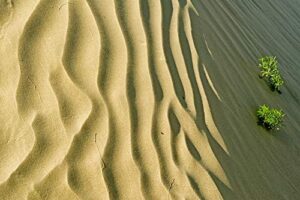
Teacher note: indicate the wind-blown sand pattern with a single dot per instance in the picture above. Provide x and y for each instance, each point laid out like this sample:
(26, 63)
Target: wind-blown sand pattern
(146, 99)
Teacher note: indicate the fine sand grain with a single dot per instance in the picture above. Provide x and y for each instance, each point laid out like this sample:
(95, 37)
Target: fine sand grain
(147, 99)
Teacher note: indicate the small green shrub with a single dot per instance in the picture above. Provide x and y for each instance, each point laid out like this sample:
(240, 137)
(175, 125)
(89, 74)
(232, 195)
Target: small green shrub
(269, 118)
(270, 71)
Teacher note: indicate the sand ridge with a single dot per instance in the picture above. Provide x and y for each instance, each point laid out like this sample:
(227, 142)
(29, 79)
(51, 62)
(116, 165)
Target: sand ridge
(145, 99)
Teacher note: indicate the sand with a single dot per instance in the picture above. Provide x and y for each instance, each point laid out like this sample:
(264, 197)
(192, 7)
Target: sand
(147, 99)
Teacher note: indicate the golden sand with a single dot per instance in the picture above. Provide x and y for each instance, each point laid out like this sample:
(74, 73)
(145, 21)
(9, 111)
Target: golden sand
(146, 99)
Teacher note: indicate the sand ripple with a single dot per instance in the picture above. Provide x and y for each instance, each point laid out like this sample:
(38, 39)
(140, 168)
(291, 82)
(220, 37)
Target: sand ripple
(144, 99)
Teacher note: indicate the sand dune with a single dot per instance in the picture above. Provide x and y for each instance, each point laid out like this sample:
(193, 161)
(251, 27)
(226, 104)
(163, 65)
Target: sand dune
(146, 99)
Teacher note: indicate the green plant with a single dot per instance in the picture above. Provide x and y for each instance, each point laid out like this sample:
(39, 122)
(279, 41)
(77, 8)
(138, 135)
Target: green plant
(270, 71)
(270, 118)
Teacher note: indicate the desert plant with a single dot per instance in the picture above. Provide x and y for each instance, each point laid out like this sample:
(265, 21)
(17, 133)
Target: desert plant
(270, 118)
(276, 81)
(270, 71)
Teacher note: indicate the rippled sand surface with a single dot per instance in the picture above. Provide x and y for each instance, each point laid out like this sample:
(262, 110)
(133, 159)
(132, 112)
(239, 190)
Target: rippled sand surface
(147, 99)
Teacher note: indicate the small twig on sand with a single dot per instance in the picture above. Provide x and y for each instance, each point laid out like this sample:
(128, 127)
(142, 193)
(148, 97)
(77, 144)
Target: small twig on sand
(171, 185)
(64, 5)
(103, 163)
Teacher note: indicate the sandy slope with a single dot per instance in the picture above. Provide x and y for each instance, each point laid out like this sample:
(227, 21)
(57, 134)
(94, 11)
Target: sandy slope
(146, 99)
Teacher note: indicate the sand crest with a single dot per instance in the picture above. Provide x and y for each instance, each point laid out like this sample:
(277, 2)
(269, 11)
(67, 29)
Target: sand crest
(146, 99)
